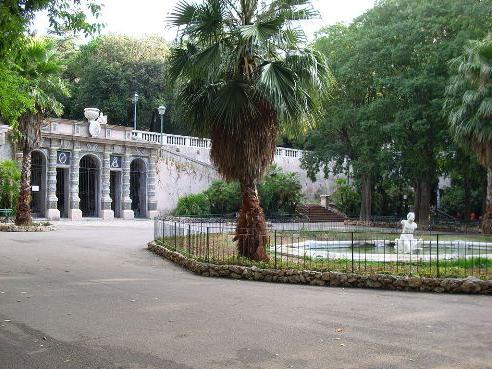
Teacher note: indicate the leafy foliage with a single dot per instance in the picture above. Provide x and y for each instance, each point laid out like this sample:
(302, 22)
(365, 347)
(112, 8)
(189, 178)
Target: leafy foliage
(346, 197)
(9, 184)
(193, 205)
(106, 73)
(279, 193)
(391, 71)
(224, 197)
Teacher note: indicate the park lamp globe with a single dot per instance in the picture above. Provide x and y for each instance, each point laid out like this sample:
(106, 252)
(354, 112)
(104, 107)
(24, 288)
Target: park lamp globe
(162, 110)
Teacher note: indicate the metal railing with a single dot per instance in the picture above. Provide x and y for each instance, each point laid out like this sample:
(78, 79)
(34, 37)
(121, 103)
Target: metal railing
(349, 250)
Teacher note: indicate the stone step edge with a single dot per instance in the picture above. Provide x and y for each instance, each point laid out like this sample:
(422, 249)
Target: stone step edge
(470, 285)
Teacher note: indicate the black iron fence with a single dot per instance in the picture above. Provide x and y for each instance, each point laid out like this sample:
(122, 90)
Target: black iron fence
(321, 247)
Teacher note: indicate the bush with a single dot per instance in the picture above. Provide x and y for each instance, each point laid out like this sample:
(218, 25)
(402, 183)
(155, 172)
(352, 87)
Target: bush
(193, 205)
(224, 197)
(9, 184)
(346, 197)
(279, 192)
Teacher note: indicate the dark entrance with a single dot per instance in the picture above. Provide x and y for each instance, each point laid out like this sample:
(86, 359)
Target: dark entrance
(38, 187)
(138, 188)
(115, 192)
(61, 191)
(89, 186)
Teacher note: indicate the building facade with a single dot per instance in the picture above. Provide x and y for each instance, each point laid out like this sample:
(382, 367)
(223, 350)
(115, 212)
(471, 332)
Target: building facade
(93, 169)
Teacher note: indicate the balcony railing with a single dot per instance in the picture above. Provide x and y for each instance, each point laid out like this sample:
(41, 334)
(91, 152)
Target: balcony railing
(177, 140)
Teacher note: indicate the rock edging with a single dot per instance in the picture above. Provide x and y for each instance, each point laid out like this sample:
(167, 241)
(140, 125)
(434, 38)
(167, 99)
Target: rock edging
(32, 228)
(470, 285)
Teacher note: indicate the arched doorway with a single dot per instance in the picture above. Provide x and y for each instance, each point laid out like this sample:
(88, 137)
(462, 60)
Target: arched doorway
(89, 186)
(38, 184)
(138, 188)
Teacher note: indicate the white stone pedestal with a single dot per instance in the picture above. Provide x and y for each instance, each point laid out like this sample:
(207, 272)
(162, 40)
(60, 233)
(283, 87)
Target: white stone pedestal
(152, 214)
(107, 214)
(127, 214)
(53, 214)
(75, 214)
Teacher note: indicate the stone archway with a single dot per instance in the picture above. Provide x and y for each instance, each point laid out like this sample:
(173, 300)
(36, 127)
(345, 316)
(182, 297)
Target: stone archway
(89, 185)
(138, 187)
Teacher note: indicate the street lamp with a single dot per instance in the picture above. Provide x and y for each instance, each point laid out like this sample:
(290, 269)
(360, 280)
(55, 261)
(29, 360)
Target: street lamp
(162, 111)
(134, 101)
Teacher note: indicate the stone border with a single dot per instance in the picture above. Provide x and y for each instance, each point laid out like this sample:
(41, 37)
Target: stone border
(470, 285)
(10, 227)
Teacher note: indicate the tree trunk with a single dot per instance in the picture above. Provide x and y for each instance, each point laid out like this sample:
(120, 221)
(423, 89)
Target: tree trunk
(366, 199)
(23, 214)
(422, 203)
(251, 230)
(487, 217)
(467, 204)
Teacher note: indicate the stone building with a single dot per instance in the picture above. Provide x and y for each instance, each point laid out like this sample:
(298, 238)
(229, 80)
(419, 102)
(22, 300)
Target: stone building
(92, 169)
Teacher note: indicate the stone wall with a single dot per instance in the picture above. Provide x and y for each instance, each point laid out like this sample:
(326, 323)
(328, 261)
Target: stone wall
(469, 285)
(182, 170)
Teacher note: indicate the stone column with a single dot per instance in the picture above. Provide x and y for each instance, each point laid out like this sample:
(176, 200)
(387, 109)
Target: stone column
(74, 213)
(152, 211)
(106, 212)
(126, 201)
(52, 213)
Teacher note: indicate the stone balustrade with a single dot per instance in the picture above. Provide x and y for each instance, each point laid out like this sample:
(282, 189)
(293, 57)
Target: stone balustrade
(177, 140)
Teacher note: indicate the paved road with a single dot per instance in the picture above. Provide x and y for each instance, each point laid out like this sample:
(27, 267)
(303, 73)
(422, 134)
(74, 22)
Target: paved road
(90, 296)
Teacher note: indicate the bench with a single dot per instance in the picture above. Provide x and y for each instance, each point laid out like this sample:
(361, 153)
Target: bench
(6, 214)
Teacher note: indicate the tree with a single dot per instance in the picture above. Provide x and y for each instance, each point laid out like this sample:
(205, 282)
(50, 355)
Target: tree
(469, 101)
(242, 73)
(349, 137)
(107, 71)
(64, 16)
(391, 75)
(9, 184)
(40, 69)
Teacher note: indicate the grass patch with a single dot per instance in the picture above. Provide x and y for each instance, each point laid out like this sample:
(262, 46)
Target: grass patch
(220, 249)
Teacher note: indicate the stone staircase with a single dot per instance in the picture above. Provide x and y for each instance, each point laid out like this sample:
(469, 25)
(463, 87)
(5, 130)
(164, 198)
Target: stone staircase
(317, 213)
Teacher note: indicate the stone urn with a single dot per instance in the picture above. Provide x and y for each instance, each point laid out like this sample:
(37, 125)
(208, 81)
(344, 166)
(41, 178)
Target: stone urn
(91, 113)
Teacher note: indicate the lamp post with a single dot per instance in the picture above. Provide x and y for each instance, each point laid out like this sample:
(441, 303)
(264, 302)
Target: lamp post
(162, 111)
(134, 101)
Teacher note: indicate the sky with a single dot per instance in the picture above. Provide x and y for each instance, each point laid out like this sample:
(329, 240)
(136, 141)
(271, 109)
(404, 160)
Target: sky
(144, 17)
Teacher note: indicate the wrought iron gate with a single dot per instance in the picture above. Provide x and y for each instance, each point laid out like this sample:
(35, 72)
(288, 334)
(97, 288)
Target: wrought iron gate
(60, 191)
(137, 193)
(115, 192)
(37, 203)
(88, 186)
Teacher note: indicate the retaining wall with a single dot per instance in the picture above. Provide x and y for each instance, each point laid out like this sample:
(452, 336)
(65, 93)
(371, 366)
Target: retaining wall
(470, 285)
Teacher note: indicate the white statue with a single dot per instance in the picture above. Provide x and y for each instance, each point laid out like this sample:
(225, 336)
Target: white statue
(407, 244)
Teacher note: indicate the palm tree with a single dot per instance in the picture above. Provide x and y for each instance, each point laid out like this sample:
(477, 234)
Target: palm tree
(469, 103)
(40, 69)
(242, 74)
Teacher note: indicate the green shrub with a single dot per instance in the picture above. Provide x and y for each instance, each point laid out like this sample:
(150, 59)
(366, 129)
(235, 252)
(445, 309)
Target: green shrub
(224, 197)
(193, 205)
(279, 192)
(346, 197)
(9, 184)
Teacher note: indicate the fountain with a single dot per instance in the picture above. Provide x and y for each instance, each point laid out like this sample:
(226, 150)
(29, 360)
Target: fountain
(407, 244)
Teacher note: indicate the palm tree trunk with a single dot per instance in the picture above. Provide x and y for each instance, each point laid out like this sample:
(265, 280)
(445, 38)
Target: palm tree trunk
(23, 214)
(251, 229)
(487, 218)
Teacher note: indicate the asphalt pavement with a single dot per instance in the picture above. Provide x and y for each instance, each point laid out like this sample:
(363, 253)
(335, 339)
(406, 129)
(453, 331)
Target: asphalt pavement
(90, 295)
